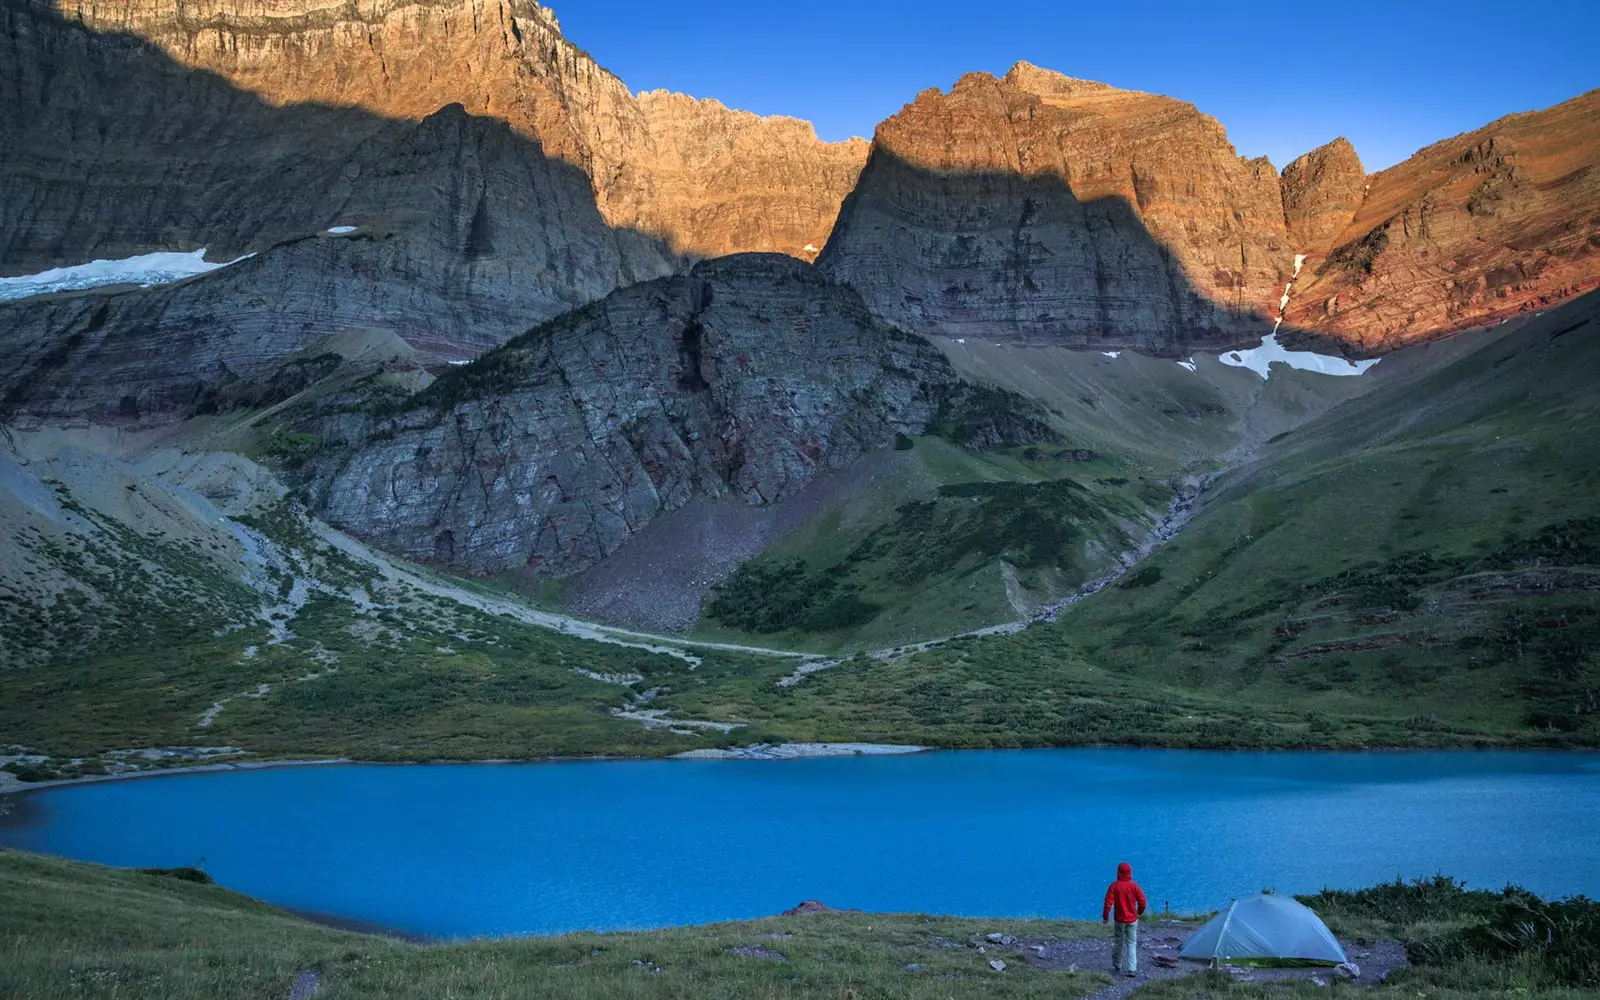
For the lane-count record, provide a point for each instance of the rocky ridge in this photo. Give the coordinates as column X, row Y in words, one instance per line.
column 1321, row 192
column 1494, row 223
column 1036, row 207
column 744, row 378
column 702, row 179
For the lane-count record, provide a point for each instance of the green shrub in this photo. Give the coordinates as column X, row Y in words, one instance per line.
column 185, row 874
column 1560, row 940
column 1147, row 576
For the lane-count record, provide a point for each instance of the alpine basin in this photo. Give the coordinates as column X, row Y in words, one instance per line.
column 460, row 850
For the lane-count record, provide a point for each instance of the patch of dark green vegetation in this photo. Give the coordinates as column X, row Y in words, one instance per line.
column 496, row 372
column 185, row 873
column 1145, row 576
column 982, row 416
column 780, row 596
column 1033, row 526
column 291, row 447
column 1358, row 254
column 1445, row 925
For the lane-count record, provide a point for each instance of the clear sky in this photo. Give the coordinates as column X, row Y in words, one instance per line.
column 1284, row 77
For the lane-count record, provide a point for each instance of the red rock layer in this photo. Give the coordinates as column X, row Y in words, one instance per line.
column 1494, row 223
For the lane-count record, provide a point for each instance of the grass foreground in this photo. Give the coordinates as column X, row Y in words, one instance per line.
column 76, row 930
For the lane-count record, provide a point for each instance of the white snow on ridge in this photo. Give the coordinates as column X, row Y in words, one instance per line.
column 1261, row 359
column 1112, row 354
column 341, row 230
column 144, row 270
column 1187, row 364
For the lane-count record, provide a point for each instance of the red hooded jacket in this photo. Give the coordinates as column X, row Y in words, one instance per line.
column 1125, row 896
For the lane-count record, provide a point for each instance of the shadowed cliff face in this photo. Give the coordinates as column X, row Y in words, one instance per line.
column 1037, row 207
column 1474, row 229
column 468, row 233
column 702, row 178
column 744, row 378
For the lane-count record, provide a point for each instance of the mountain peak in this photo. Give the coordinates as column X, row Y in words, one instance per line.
column 1048, row 82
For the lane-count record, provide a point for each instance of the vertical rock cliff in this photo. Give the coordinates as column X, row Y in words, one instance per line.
column 1039, row 207
column 700, row 178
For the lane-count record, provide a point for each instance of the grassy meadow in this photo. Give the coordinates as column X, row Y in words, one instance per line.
column 72, row 930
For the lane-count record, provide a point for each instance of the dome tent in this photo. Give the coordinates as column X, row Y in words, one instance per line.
column 1264, row 930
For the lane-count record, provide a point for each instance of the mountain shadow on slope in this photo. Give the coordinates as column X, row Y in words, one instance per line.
column 468, row 232
column 1012, row 258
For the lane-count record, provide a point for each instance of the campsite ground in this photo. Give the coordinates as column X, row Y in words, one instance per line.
column 76, row 930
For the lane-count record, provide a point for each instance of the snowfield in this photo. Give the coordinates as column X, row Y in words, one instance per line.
column 144, row 270
column 1261, row 359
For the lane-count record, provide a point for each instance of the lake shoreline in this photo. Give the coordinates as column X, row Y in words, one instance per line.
column 765, row 752
column 733, row 754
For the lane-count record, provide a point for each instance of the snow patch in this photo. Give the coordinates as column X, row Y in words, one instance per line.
column 1112, row 354
column 1261, row 359
column 1187, row 364
column 341, row 230
column 144, row 270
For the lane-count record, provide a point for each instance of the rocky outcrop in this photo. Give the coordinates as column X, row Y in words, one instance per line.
column 1487, row 225
column 744, row 378
column 467, row 237
column 701, row 178
column 1321, row 192
column 1042, row 208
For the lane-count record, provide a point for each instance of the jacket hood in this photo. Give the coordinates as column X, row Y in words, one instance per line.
column 1124, row 872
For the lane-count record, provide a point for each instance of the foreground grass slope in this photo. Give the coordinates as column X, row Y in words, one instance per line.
column 75, row 930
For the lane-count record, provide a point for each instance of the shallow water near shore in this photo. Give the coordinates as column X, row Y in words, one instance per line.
column 496, row 849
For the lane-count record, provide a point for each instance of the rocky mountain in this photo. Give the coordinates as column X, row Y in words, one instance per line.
column 1321, row 192
column 694, row 175
column 1036, row 207
column 1471, row 230
column 745, row 377
column 130, row 127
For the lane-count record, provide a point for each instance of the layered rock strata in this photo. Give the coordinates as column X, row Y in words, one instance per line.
column 1321, row 192
column 744, row 378
column 1490, row 224
column 1042, row 208
column 701, row 178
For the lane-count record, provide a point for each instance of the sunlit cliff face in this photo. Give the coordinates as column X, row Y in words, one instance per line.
column 707, row 179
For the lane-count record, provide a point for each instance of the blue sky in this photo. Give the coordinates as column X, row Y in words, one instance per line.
column 1284, row 77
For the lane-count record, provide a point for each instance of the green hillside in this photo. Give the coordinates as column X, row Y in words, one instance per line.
column 1418, row 566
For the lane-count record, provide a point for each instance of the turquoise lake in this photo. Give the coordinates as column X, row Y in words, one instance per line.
column 496, row 849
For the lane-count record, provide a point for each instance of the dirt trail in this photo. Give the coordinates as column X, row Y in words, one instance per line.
column 394, row 572
column 1159, row 937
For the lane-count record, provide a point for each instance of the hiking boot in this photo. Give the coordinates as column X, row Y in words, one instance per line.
column 1131, row 974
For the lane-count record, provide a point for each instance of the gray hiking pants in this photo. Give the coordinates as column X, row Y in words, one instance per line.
column 1125, row 945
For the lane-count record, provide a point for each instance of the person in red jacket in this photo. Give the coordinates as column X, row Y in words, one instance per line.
column 1127, row 899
